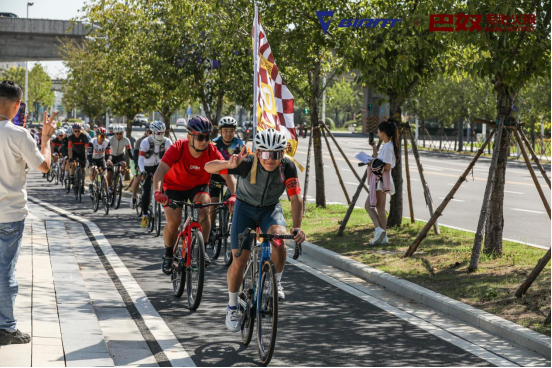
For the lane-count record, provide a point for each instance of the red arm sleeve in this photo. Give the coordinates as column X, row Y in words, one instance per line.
column 293, row 187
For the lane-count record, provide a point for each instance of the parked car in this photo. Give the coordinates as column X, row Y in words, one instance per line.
column 180, row 122
column 140, row 120
column 8, row 15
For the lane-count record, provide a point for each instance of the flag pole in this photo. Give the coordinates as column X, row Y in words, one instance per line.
column 255, row 69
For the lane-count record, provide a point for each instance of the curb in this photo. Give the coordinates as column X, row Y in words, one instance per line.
column 488, row 322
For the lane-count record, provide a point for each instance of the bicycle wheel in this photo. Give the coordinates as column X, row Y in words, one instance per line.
column 56, row 174
column 119, row 191
column 246, row 306
column 104, row 195
column 210, row 246
column 50, row 175
column 138, row 205
column 68, row 184
column 226, row 244
column 113, row 195
column 178, row 276
column 217, row 241
column 157, row 218
column 267, row 315
column 151, row 218
column 95, row 196
column 196, row 271
column 76, row 187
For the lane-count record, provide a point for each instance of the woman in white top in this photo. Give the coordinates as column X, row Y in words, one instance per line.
column 388, row 133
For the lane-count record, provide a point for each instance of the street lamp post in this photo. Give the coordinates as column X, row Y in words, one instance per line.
column 27, row 72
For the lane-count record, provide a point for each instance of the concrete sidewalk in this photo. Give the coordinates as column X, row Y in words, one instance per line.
column 68, row 303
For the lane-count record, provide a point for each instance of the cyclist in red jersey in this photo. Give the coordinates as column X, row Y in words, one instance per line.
column 181, row 176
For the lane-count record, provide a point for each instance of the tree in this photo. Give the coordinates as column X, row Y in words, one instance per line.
column 533, row 105
column 342, row 97
column 40, row 85
column 508, row 60
column 396, row 60
column 83, row 87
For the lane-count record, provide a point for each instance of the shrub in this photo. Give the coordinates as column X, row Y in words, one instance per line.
column 330, row 123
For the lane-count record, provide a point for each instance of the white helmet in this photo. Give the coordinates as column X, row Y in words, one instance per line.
column 157, row 126
column 227, row 122
column 270, row 140
column 86, row 126
column 118, row 129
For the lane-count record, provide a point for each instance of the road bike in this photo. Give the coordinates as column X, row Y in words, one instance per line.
column 78, row 186
column 220, row 229
column 258, row 294
column 53, row 172
column 99, row 191
column 119, row 170
column 188, row 266
column 154, row 210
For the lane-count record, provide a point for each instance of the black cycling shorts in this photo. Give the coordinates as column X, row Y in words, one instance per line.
column 80, row 157
column 214, row 190
column 115, row 160
column 98, row 162
column 187, row 195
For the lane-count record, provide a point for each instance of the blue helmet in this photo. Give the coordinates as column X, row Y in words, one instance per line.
column 199, row 125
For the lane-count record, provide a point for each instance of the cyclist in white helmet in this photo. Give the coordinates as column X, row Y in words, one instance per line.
column 260, row 203
column 119, row 145
column 152, row 150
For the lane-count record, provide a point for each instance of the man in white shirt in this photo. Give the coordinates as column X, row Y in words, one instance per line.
column 17, row 150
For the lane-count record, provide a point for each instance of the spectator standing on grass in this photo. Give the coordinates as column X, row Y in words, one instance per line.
column 386, row 158
column 18, row 150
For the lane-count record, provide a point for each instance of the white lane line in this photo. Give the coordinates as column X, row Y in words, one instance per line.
column 157, row 326
column 522, row 210
column 355, row 184
column 455, row 200
column 451, row 184
column 509, row 191
column 346, row 170
column 416, row 321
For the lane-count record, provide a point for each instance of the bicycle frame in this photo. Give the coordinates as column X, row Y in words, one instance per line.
column 192, row 222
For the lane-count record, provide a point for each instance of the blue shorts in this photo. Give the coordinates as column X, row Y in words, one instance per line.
column 246, row 216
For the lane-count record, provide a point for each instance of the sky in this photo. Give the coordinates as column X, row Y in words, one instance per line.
column 45, row 9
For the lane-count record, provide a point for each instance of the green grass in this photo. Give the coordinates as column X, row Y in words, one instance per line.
column 440, row 264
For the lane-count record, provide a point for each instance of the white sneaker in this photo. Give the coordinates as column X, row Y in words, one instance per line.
column 232, row 320
column 384, row 241
column 378, row 236
column 281, row 294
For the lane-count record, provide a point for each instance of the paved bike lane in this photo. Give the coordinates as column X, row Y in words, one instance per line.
column 319, row 323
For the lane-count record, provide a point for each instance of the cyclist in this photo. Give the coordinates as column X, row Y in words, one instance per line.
column 89, row 132
column 78, row 147
column 152, row 151
column 111, row 133
column 227, row 143
column 182, row 176
column 56, row 142
column 137, row 176
column 260, row 203
column 118, row 146
column 100, row 150
column 65, row 149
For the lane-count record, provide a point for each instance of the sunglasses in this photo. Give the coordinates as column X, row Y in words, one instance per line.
column 271, row 155
column 76, row 131
column 202, row 137
column 118, row 133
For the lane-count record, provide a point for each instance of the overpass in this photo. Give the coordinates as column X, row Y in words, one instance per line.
column 23, row 39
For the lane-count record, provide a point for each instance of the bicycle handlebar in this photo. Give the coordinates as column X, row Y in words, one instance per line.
column 174, row 204
column 267, row 237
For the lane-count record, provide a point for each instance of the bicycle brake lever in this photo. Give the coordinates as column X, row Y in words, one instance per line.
column 298, row 251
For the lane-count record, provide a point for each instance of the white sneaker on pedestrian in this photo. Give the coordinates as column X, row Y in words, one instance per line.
column 384, row 241
column 281, row 294
column 379, row 233
column 232, row 320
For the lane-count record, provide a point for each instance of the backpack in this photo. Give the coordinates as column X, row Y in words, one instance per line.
column 151, row 149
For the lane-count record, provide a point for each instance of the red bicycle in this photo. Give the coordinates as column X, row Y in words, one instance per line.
column 189, row 253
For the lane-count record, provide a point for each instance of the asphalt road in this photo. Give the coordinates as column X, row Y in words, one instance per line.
column 525, row 217
column 319, row 324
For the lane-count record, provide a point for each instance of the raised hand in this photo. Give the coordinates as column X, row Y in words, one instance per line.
column 48, row 126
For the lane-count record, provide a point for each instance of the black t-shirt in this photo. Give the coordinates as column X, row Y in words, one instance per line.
column 56, row 143
column 78, row 144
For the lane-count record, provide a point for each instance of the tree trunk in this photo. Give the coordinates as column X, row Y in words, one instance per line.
column 396, row 204
column 220, row 103
column 495, row 220
column 317, row 142
column 166, row 115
